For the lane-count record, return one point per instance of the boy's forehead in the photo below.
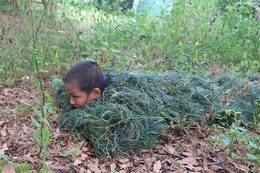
(71, 88)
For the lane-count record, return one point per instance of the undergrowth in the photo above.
(196, 37)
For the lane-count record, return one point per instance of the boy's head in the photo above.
(84, 82)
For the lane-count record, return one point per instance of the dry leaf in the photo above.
(11, 131)
(85, 149)
(77, 162)
(125, 165)
(94, 168)
(205, 166)
(157, 166)
(4, 148)
(123, 160)
(122, 171)
(62, 169)
(81, 170)
(25, 128)
(8, 168)
(113, 166)
(88, 171)
(83, 156)
(105, 164)
(65, 135)
(187, 154)
(215, 168)
(171, 149)
(1, 122)
(189, 160)
(178, 171)
(104, 170)
(242, 167)
(188, 144)
(63, 160)
(3, 133)
(192, 168)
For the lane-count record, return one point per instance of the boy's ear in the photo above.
(97, 92)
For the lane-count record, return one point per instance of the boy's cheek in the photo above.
(81, 102)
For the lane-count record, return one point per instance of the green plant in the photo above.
(72, 153)
(226, 116)
(76, 138)
(113, 5)
(6, 158)
(18, 167)
(238, 137)
(42, 131)
(257, 117)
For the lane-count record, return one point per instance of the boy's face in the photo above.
(77, 97)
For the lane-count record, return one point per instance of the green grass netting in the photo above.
(133, 110)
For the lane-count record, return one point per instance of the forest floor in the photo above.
(172, 153)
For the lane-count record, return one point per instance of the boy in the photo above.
(84, 82)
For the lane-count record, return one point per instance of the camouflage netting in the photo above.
(133, 110)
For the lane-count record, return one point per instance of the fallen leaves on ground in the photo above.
(172, 153)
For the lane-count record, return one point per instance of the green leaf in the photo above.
(36, 83)
(226, 141)
(35, 122)
(5, 157)
(83, 41)
(24, 107)
(36, 133)
(65, 154)
(90, 162)
(47, 122)
(55, 80)
(234, 125)
(44, 109)
(23, 167)
(51, 110)
(9, 82)
(48, 105)
(44, 71)
(47, 95)
(41, 119)
(36, 111)
(40, 143)
(252, 157)
(46, 168)
(84, 54)
(113, 171)
(253, 145)
(36, 99)
(212, 140)
(46, 135)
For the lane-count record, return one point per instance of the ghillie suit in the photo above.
(136, 106)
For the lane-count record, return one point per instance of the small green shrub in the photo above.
(113, 5)
(243, 7)
(14, 6)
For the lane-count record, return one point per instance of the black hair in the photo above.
(86, 75)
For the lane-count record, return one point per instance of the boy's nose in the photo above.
(72, 101)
